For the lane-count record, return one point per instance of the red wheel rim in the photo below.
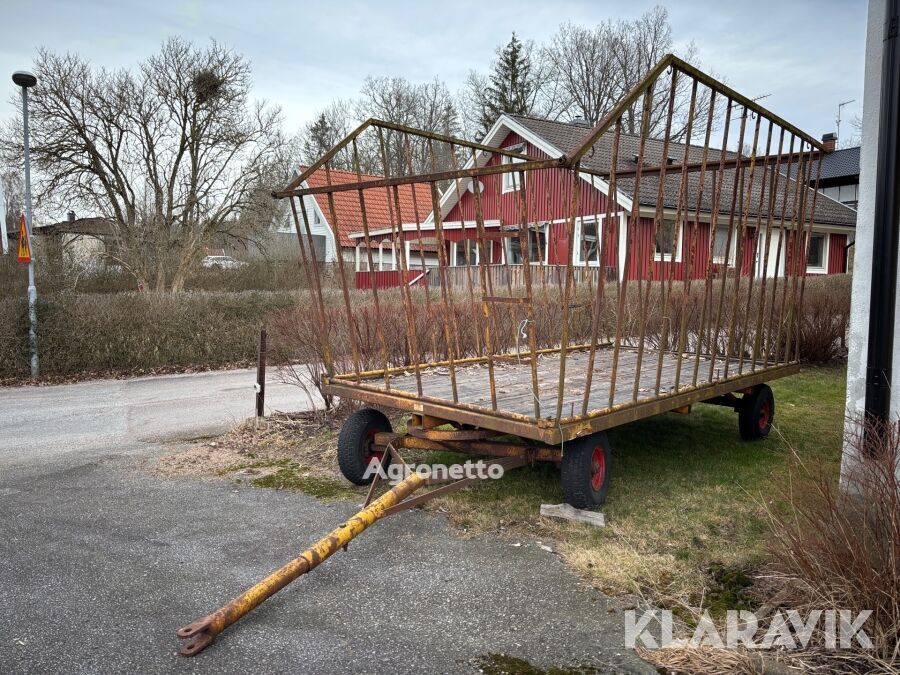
(369, 453)
(765, 415)
(598, 468)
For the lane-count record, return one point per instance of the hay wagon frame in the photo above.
(657, 332)
(559, 359)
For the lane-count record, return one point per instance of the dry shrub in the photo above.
(835, 548)
(676, 316)
(126, 332)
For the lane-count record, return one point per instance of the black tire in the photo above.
(756, 413)
(355, 444)
(585, 471)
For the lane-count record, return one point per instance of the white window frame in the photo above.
(579, 233)
(666, 257)
(510, 182)
(823, 269)
(454, 250)
(732, 250)
(507, 245)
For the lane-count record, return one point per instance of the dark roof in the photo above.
(96, 227)
(839, 164)
(567, 137)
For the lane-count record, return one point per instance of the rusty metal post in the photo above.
(261, 376)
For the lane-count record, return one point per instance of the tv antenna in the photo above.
(837, 135)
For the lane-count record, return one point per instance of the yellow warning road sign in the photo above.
(24, 243)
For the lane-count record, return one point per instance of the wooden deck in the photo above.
(514, 383)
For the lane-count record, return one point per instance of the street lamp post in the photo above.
(26, 80)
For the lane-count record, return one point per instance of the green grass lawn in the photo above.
(686, 514)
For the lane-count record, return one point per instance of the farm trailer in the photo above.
(681, 208)
(693, 238)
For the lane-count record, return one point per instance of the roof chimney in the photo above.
(579, 121)
(829, 140)
(70, 216)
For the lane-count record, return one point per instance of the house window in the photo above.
(722, 252)
(587, 242)
(816, 255)
(511, 180)
(666, 240)
(537, 248)
(466, 253)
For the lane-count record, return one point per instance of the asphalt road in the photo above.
(101, 561)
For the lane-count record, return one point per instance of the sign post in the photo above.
(26, 80)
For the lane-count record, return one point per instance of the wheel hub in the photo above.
(598, 468)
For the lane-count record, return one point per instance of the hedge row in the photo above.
(104, 333)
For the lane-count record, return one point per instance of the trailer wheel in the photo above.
(585, 471)
(756, 412)
(355, 444)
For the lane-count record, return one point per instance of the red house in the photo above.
(548, 197)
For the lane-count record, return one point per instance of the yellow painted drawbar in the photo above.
(203, 631)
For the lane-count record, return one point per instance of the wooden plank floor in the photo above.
(514, 384)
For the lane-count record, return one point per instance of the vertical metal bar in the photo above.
(447, 286)
(351, 322)
(717, 180)
(526, 265)
(261, 376)
(464, 239)
(739, 252)
(773, 326)
(449, 313)
(415, 201)
(800, 254)
(598, 301)
(681, 210)
(759, 338)
(798, 266)
(564, 344)
(379, 319)
(695, 233)
(327, 352)
(485, 306)
(396, 218)
(812, 218)
(754, 250)
(633, 225)
(737, 181)
(657, 219)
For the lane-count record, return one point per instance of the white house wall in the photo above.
(859, 307)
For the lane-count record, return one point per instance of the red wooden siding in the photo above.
(549, 198)
(388, 278)
(837, 254)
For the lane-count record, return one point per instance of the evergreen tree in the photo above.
(510, 87)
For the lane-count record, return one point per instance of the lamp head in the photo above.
(24, 79)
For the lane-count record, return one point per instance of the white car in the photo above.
(225, 262)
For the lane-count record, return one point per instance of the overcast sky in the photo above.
(808, 56)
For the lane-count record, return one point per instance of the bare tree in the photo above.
(428, 106)
(172, 154)
(585, 66)
(596, 67)
(330, 126)
(14, 198)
